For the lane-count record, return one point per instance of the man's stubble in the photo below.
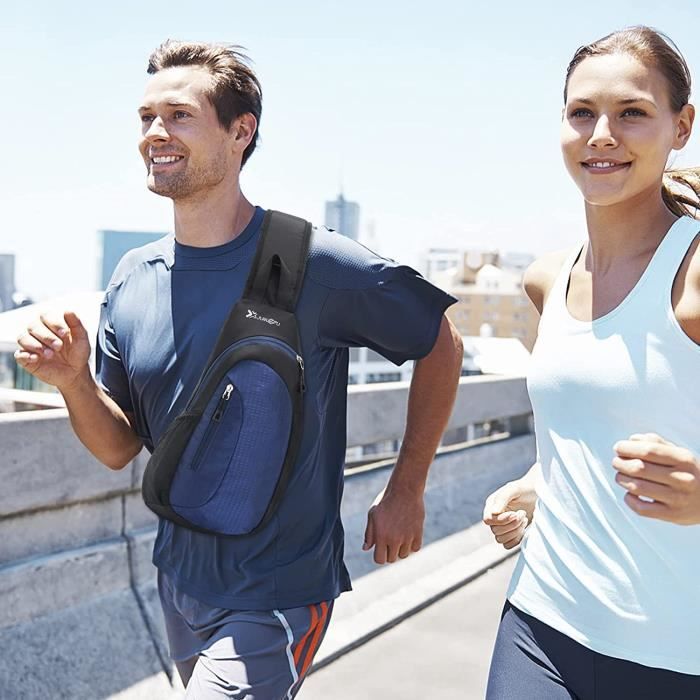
(192, 181)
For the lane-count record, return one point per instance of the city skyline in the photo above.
(446, 132)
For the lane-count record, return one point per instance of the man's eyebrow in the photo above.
(149, 108)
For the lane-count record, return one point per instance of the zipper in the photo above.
(302, 380)
(252, 341)
(221, 406)
(216, 418)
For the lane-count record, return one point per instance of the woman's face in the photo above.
(618, 128)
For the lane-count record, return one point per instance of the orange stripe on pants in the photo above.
(302, 641)
(313, 647)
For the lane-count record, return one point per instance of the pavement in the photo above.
(439, 653)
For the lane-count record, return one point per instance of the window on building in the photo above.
(376, 377)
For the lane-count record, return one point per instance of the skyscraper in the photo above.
(344, 216)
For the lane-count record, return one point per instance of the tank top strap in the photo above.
(662, 269)
(555, 306)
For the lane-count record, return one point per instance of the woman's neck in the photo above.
(625, 231)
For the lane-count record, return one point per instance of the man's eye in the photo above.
(146, 118)
(180, 114)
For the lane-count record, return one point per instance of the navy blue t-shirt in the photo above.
(161, 315)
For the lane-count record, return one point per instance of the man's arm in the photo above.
(395, 521)
(56, 350)
(100, 424)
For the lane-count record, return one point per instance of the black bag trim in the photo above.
(265, 312)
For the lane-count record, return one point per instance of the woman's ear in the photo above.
(684, 127)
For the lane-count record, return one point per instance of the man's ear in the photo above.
(243, 131)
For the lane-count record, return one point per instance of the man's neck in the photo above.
(212, 220)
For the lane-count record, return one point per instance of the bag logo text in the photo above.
(258, 317)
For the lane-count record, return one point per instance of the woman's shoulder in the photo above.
(694, 262)
(541, 274)
(686, 292)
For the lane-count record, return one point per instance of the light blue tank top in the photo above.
(618, 583)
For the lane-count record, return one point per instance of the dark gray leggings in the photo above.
(532, 661)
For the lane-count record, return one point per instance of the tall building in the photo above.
(113, 246)
(343, 216)
(7, 282)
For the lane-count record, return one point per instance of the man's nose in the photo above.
(156, 131)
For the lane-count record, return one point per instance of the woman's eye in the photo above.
(581, 113)
(633, 113)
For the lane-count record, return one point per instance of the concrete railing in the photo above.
(76, 539)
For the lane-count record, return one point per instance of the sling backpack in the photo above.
(223, 464)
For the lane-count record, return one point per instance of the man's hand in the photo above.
(395, 520)
(395, 524)
(55, 349)
(509, 510)
(662, 479)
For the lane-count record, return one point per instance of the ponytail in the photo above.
(681, 191)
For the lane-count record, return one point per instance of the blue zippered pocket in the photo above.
(228, 472)
(214, 423)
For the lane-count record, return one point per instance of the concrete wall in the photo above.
(79, 615)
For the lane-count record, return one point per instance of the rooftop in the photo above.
(75, 571)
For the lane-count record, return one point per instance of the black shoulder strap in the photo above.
(280, 261)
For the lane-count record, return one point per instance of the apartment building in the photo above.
(491, 300)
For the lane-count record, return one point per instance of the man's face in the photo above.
(185, 149)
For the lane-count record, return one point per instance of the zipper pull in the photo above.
(300, 362)
(220, 407)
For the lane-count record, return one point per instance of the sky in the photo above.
(441, 119)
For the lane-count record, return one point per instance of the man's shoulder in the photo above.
(137, 259)
(337, 261)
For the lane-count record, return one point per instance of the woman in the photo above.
(605, 597)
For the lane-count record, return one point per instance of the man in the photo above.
(245, 615)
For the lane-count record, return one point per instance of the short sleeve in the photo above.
(111, 375)
(396, 313)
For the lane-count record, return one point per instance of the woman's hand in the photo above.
(508, 511)
(662, 479)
